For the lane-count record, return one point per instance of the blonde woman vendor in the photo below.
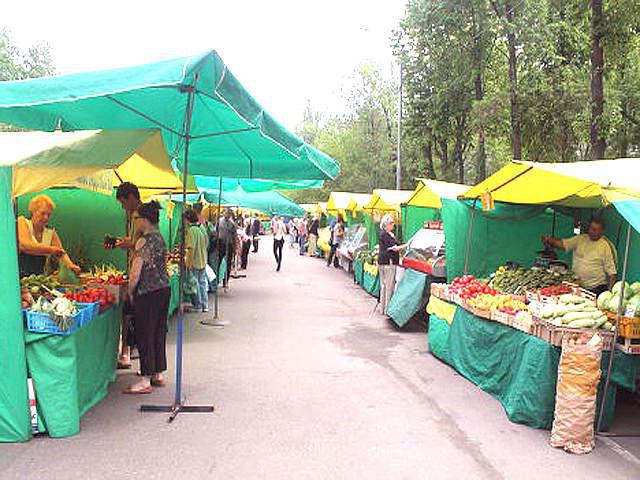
(36, 241)
(388, 259)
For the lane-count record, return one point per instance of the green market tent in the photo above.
(230, 134)
(210, 124)
(271, 203)
(254, 185)
(425, 203)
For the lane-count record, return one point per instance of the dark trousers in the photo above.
(333, 257)
(599, 289)
(244, 257)
(255, 243)
(225, 250)
(151, 312)
(277, 251)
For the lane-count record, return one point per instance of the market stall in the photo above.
(424, 259)
(209, 122)
(526, 304)
(59, 353)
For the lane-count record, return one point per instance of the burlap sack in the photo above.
(578, 379)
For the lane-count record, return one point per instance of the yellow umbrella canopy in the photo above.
(93, 160)
(428, 193)
(387, 201)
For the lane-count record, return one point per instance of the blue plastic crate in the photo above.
(88, 312)
(41, 323)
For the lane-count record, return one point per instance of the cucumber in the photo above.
(584, 323)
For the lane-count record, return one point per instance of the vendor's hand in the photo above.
(57, 251)
(545, 239)
(75, 268)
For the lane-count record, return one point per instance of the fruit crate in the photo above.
(501, 317)
(38, 322)
(629, 328)
(554, 334)
(524, 324)
(629, 346)
(438, 290)
(478, 312)
(89, 311)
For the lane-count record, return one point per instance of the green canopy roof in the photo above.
(231, 135)
(253, 185)
(272, 203)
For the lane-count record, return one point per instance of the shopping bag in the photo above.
(211, 275)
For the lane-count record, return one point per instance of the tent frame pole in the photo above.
(469, 237)
(603, 403)
(178, 407)
(215, 322)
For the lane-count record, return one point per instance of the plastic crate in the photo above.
(629, 328)
(88, 311)
(42, 323)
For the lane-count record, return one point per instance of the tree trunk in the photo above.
(458, 147)
(444, 155)
(597, 88)
(427, 151)
(516, 143)
(481, 155)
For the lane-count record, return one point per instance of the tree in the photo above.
(597, 84)
(18, 65)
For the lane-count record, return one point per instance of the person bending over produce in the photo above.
(593, 258)
(149, 293)
(37, 241)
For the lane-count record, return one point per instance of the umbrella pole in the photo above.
(215, 322)
(603, 403)
(178, 407)
(170, 227)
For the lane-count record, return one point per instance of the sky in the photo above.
(285, 52)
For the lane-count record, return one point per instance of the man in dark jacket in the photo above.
(255, 233)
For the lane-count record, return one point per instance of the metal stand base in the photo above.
(174, 410)
(214, 323)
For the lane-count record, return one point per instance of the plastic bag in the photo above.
(67, 276)
(578, 378)
(211, 275)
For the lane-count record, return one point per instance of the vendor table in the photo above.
(408, 297)
(71, 373)
(370, 283)
(518, 369)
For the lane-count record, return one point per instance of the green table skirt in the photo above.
(408, 297)
(370, 283)
(517, 369)
(71, 373)
(174, 301)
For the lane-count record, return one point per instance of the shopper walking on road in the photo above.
(314, 227)
(388, 259)
(149, 293)
(337, 235)
(226, 244)
(255, 233)
(197, 246)
(302, 234)
(279, 232)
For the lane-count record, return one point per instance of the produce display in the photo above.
(108, 275)
(36, 284)
(574, 311)
(91, 295)
(61, 310)
(517, 281)
(468, 287)
(610, 301)
(498, 303)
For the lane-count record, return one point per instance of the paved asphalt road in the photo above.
(307, 384)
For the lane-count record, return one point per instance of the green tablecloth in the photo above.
(370, 283)
(517, 369)
(174, 301)
(408, 297)
(71, 373)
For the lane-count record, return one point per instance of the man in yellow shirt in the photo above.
(593, 258)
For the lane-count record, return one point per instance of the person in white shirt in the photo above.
(279, 233)
(593, 257)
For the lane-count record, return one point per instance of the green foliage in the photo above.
(18, 65)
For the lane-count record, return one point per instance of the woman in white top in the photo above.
(36, 241)
(279, 232)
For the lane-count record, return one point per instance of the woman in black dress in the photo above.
(149, 292)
